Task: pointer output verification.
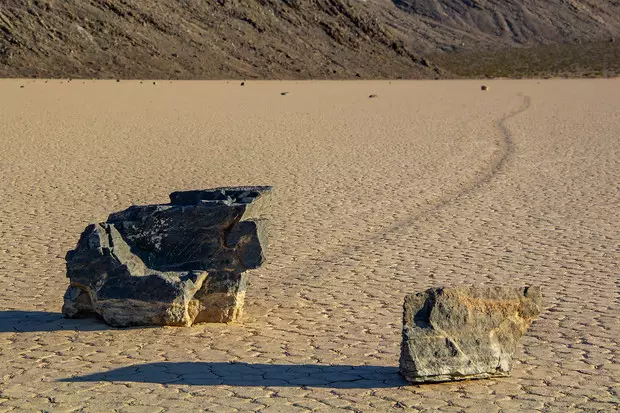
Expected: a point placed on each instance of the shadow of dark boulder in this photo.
(19, 321)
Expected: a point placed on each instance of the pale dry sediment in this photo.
(375, 198)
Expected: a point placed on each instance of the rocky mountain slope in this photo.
(279, 38)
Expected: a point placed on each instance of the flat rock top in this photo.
(224, 195)
(375, 198)
(482, 299)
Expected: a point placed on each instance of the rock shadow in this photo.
(245, 374)
(18, 321)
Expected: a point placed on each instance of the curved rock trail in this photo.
(495, 166)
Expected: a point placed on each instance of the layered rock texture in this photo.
(468, 332)
(173, 264)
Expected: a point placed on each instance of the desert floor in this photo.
(430, 183)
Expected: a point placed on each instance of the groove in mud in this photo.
(506, 151)
(496, 166)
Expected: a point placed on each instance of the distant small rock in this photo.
(155, 83)
(372, 96)
(242, 83)
(484, 87)
(118, 80)
(21, 87)
(284, 93)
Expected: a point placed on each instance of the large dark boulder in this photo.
(171, 264)
(464, 332)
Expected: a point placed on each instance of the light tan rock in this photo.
(464, 332)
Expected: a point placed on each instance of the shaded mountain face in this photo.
(277, 38)
(491, 23)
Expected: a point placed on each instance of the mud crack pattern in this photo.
(432, 183)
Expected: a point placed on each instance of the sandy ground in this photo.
(430, 183)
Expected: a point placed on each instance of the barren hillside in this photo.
(279, 38)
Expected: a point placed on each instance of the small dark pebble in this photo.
(484, 87)
(372, 96)
(242, 83)
(284, 93)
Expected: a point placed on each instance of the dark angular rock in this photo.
(464, 332)
(171, 264)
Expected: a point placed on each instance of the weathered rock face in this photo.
(464, 332)
(173, 264)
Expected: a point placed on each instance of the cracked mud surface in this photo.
(431, 183)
